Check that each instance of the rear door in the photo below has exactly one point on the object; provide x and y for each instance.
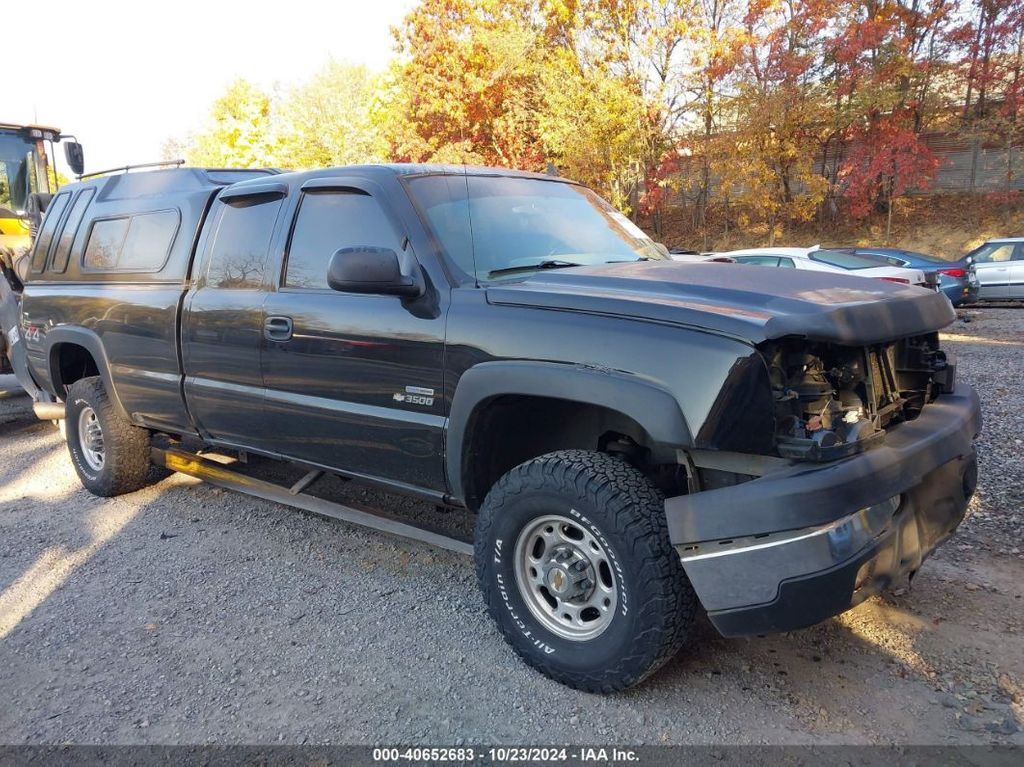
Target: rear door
(222, 319)
(353, 381)
(992, 263)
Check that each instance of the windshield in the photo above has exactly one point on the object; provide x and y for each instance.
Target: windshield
(17, 176)
(495, 227)
(843, 260)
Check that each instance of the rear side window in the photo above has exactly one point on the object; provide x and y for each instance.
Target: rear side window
(843, 260)
(138, 243)
(67, 235)
(327, 222)
(45, 238)
(148, 241)
(238, 254)
(759, 260)
(105, 241)
(881, 258)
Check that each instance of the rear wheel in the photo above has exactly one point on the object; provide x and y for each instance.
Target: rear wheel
(574, 561)
(110, 455)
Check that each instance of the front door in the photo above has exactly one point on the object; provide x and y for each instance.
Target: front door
(222, 321)
(1017, 272)
(992, 262)
(353, 382)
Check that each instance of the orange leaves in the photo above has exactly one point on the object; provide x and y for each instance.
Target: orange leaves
(464, 83)
(886, 159)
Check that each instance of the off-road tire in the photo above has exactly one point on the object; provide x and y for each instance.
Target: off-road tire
(126, 464)
(624, 509)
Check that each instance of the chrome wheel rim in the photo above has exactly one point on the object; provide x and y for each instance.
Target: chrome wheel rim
(90, 439)
(566, 577)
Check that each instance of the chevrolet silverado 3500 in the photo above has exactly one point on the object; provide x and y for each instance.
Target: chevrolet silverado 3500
(637, 437)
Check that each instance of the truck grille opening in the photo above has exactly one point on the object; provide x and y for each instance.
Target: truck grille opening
(832, 401)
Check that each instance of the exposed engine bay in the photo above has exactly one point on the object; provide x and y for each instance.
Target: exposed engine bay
(832, 401)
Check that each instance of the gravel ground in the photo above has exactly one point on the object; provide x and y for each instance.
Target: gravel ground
(187, 614)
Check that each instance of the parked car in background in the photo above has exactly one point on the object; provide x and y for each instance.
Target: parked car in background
(1000, 268)
(957, 279)
(818, 259)
(695, 257)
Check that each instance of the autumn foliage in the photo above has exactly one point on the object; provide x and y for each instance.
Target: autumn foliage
(768, 111)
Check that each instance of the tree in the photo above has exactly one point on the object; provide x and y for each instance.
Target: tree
(888, 160)
(239, 133)
(592, 127)
(465, 88)
(777, 112)
(326, 121)
(785, 107)
(711, 44)
(613, 93)
(888, 55)
(992, 40)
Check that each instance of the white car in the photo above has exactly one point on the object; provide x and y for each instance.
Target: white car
(691, 257)
(818, 259)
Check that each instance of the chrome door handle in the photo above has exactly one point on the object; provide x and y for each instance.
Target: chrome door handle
(277, 328)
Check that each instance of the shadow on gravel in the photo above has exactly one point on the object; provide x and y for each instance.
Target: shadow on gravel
(13, 425)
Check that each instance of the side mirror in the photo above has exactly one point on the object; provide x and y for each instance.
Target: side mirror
(75, 156)
(366, 269)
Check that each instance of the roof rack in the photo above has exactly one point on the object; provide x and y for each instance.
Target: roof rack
(127, 168)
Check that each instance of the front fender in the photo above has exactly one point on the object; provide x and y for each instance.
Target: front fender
(646, 402)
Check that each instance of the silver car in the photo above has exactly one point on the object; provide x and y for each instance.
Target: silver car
(1000, 268)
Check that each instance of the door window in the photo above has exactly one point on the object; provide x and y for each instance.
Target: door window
(238, 253)
(994, 253)
(327, 222)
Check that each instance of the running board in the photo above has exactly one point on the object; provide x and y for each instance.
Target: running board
(218, 474)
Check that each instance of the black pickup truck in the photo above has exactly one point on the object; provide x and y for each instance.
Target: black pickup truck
(637, 437)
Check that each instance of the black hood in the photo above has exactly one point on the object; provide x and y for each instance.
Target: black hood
(755, 303)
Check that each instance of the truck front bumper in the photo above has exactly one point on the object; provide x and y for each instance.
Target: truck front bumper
(798, 545)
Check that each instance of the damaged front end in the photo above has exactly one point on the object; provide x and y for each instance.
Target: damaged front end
(785, 541)
(833, 401)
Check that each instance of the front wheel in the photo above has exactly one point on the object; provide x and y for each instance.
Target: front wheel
(574, 561)
(110, 454)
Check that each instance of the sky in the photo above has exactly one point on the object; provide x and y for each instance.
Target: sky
(123, 77)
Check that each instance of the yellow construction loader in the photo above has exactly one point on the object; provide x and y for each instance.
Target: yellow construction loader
(26, 178)
(27, 183)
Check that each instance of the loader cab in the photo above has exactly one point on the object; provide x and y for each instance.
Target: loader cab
(27, 180)
(21, 161)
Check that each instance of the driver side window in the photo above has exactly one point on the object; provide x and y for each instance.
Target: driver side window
(327, 222)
